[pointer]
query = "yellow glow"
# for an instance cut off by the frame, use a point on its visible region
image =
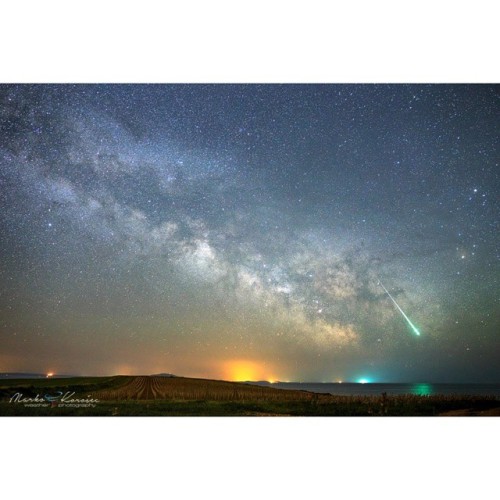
(50, 374)
(242, 370)
(124, 370)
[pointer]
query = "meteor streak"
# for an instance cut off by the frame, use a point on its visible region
(414, 328)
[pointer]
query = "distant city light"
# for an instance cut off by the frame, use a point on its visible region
(50, 374)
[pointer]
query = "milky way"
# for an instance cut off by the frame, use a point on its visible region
(199, 229)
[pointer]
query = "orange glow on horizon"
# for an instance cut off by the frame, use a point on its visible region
(50, 374)
(244, 370)
(125, 370)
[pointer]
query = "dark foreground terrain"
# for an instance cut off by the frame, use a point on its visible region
(177, 396)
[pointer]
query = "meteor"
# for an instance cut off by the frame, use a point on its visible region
(414, 328)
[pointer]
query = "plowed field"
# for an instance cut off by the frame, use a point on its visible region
(151, 388)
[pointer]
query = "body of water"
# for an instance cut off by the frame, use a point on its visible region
(421, 389)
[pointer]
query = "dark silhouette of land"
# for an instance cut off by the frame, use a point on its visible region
(164, 395)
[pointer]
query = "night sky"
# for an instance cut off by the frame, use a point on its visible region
(241, 231)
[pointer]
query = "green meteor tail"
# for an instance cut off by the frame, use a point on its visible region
(413, 327)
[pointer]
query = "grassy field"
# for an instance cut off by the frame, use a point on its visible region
(162, 396)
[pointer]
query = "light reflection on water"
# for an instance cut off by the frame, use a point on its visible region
(375, 389)
(421, 389)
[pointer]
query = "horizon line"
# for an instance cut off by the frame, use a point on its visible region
(271, 382)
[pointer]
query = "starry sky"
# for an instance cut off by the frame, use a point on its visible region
(240, 232)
